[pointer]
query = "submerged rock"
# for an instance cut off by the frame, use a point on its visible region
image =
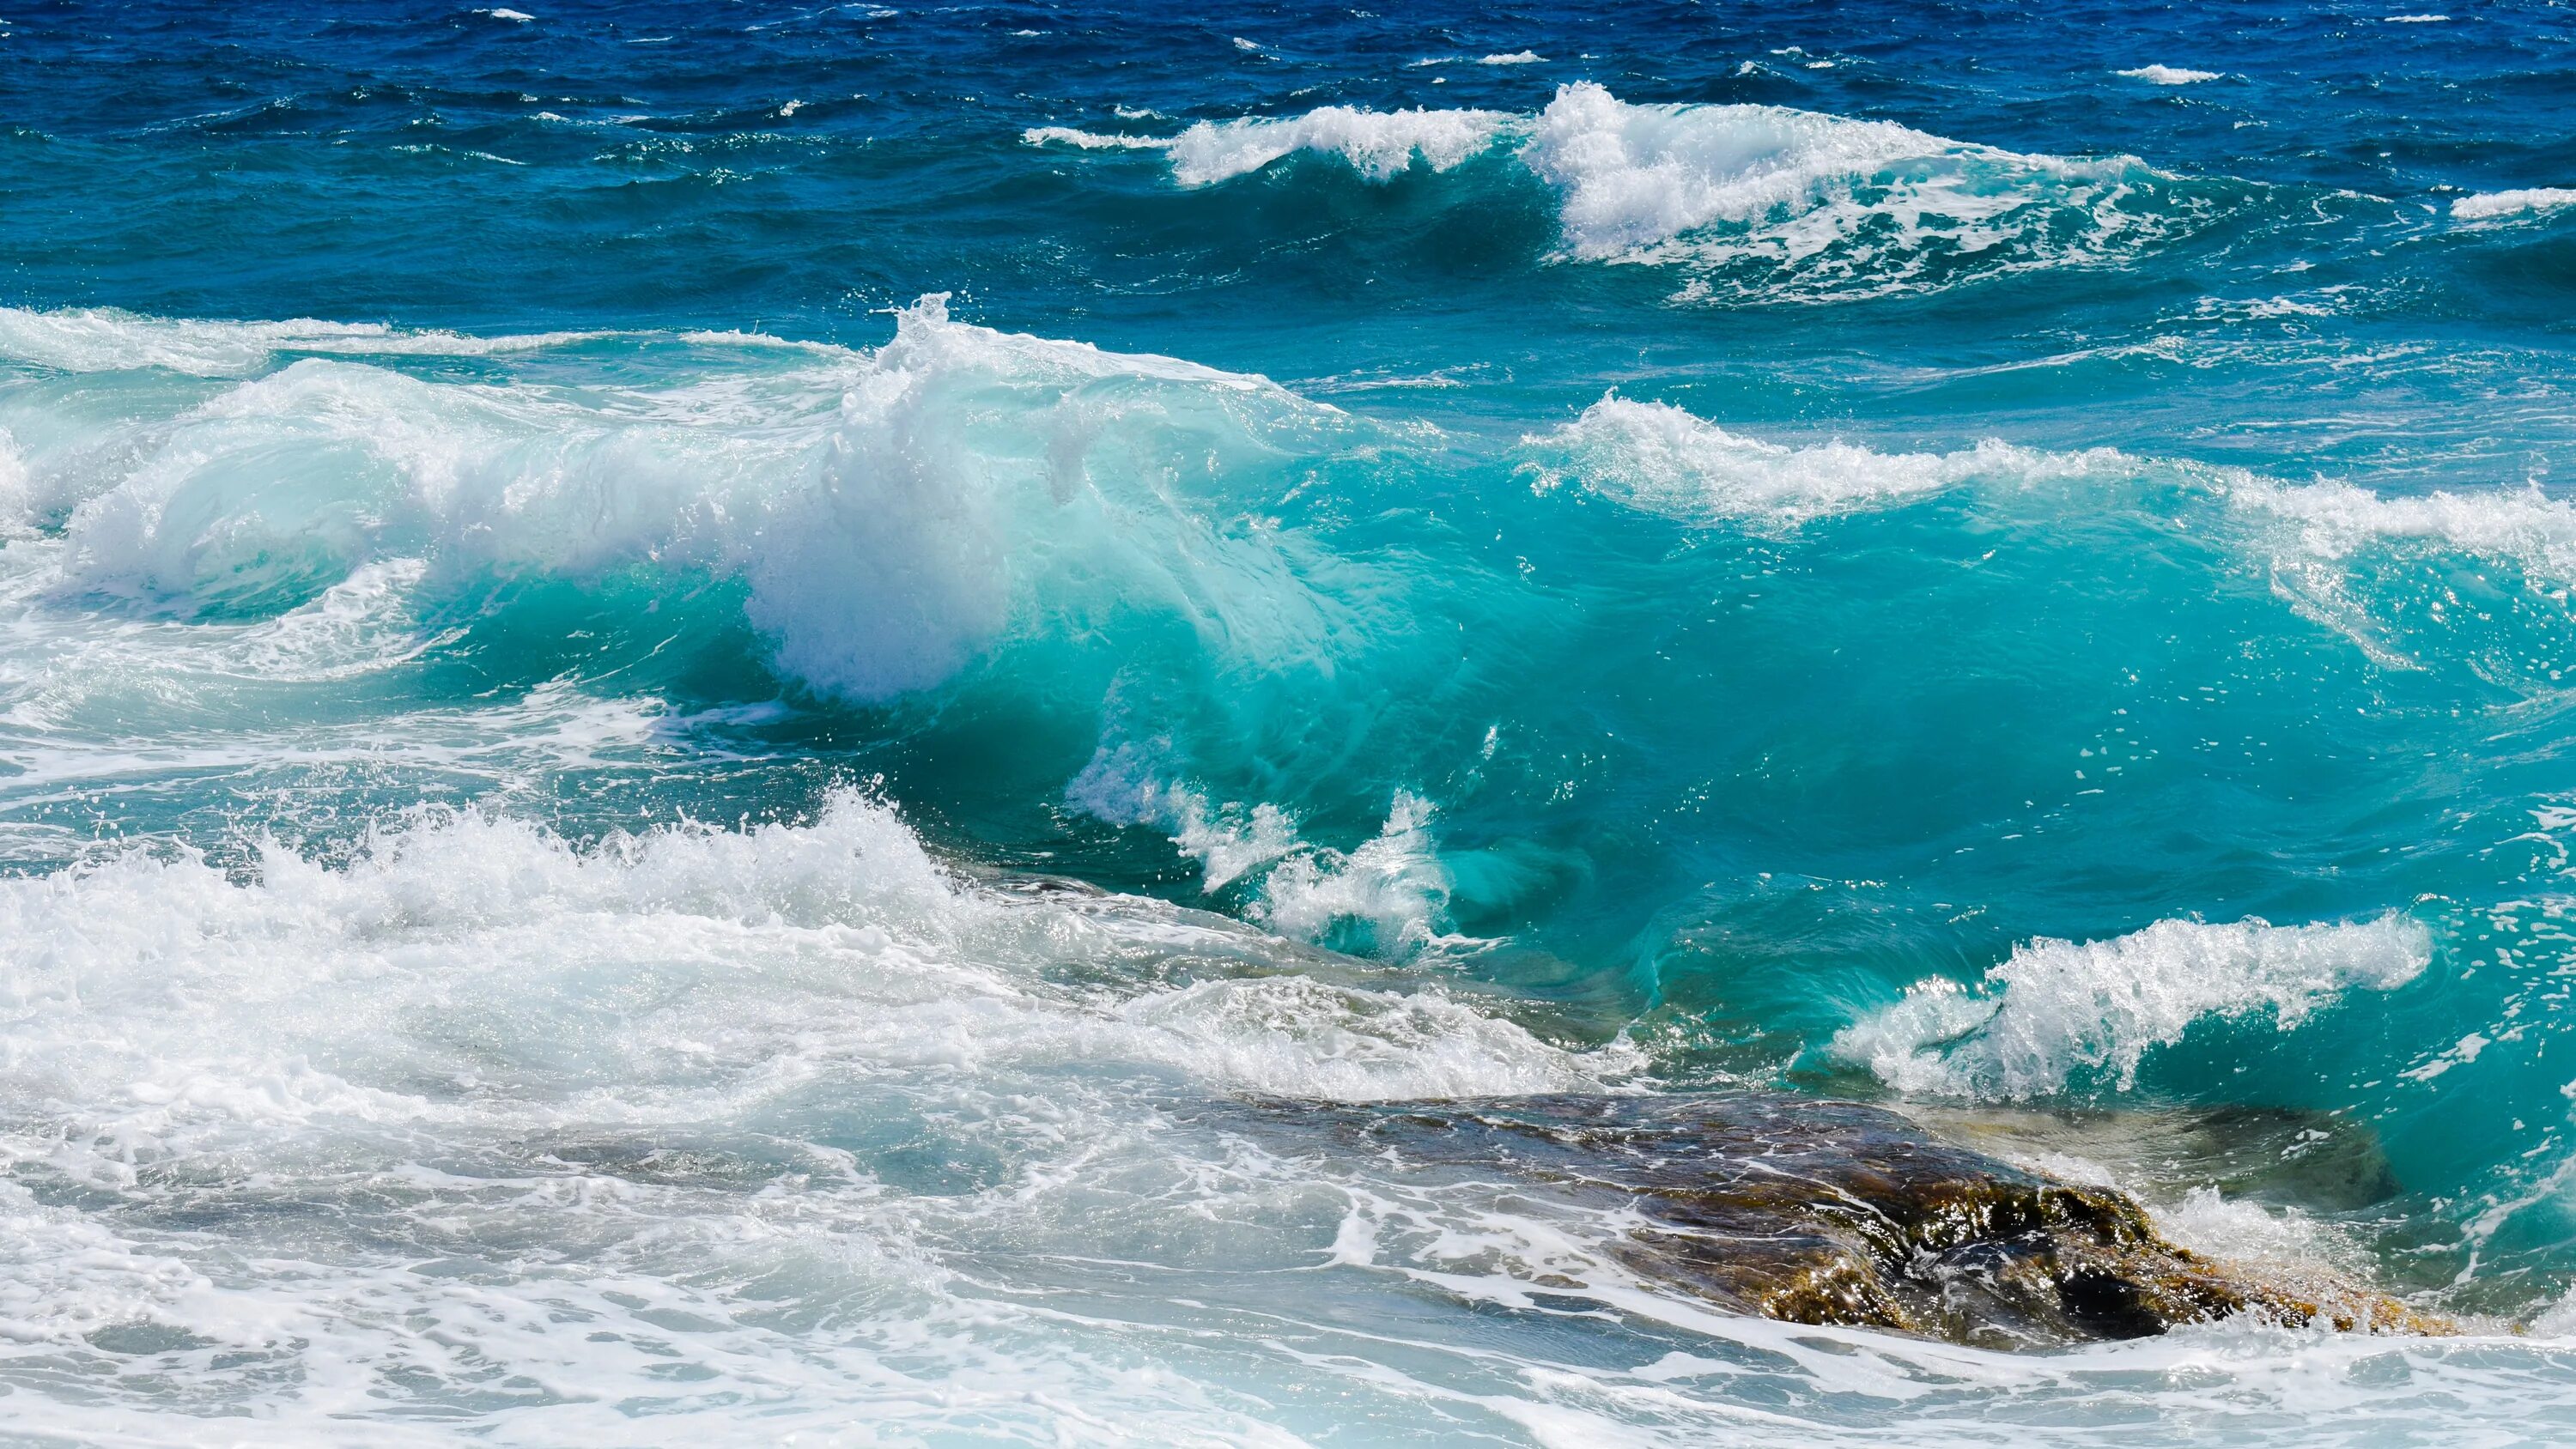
(1834, 1212)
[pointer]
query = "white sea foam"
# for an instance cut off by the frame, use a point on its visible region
(104, 339)
(173, 999)
(2487, 205)
(1091, 140)
(1794, 204)
(2058, 1009)
(1634, 175)
(2168, 75)
(475, 1033)
(1517, 57)
(1120, 787)
(1377, 144)
(1817, 205)
(18, 503)
(1658, 458)
(1394, 883)
(2333, 521)
(892, 512)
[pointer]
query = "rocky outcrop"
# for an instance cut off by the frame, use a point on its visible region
(1835, 1212)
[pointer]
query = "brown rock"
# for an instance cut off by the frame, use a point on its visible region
(1834, 1212)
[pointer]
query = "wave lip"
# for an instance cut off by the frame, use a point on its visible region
(2168, 75)
(1768, 203)
(2488, 205)
(1755, 202)
(890, 514)
(2057, 1009)
(108, 339)
(1392, 886)
(1377, 144)
(1091, 140)
(1658, 459)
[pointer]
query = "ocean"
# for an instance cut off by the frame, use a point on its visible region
(701, 706)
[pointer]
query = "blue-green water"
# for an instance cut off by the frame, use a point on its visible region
(565, 572)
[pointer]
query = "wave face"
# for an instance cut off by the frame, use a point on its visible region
(716, 724)
(2056, 1008)
(1749, 202)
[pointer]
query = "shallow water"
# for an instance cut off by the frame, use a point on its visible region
(680, 690)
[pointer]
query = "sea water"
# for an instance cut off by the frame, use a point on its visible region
(679, 683)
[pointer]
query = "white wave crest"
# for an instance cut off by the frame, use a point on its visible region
(105, 339)
(1756, 200)
(1393, 884)
(1657, 458)
(892, 513)
(1119, 786)
(2169, 75)
(18, 502)
(1091, 140)
(2487, 205)
(159, 999)
(1377, 144)
(2311, 535)
(2059, 1008)
(1786, 204)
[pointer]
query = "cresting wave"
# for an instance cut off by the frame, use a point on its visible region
(891, 512)
(475, 1010)
(1751, 202)
(896, 515)
(2491, 205)
(105, 339)
(471, 1028)
(1656, 457)
(1662, 460)
(178, 1002)
(1392, 887)
(2058, 1010)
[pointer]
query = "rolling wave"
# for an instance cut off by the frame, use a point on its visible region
(1747, 202)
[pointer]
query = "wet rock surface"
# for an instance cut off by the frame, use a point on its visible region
(1840, 1213)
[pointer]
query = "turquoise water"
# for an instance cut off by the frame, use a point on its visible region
(678, 686)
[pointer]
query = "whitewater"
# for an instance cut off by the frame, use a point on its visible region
(818, 725)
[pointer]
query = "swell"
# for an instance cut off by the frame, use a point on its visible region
(1744, 202)
(1182, 631)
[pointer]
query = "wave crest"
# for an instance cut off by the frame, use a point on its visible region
(1754, 202)
(2058, 1009)
(892, 514)
(1656, 458)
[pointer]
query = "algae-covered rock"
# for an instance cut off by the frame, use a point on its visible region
(1834, 1212)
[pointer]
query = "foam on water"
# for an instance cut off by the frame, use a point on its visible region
(2060, 1011)
(1377, 144)
(1656, 457)
(1756, 202)
(892, 513)
(623, 1129)
(105, 339)
(1393, 884)
(464, 1015)
(2487, 205)
(2169, 75)
(478, 1029)
(385, 1056)
(1090, 140)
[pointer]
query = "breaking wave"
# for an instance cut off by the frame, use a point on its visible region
(1750, 202)
(2058, 1011)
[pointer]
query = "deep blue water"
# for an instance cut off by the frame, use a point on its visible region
(564, 570)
